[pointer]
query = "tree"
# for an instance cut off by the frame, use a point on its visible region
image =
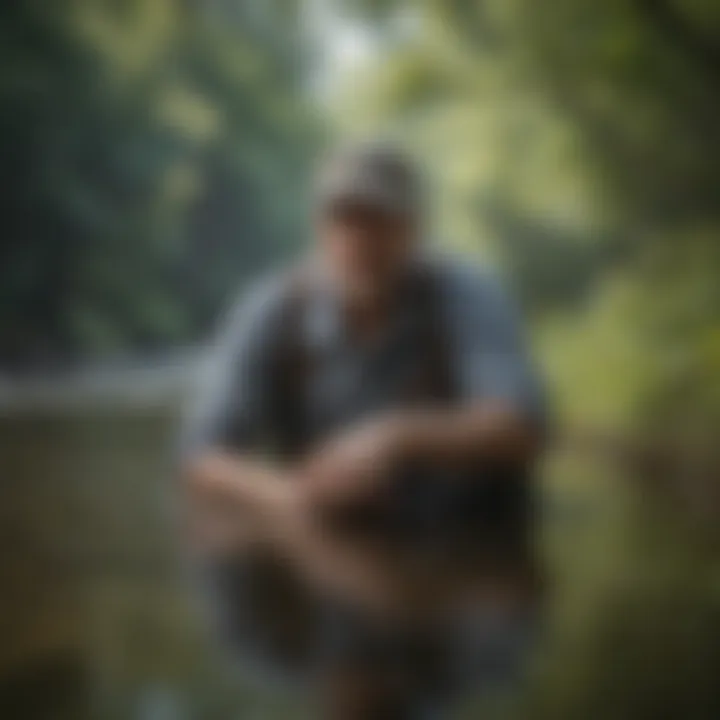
(155, 155)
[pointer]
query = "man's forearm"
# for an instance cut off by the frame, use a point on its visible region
(233, 479)
(483, 431)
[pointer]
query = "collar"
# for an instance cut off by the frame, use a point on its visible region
(324, 324)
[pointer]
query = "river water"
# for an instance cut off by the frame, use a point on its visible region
(96, 619)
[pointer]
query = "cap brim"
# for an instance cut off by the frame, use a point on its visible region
(371, 198)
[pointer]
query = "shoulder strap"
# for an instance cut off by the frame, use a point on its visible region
(289, 368)
(437, 381)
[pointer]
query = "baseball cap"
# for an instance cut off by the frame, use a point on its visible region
(374, 174)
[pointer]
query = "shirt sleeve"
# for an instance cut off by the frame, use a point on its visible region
(491, 356)
(227, 408)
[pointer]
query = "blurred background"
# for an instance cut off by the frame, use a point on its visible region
(156, 157)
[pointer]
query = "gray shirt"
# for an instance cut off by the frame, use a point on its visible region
(486, 350)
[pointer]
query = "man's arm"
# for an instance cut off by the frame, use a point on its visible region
(502, 413)
(225, 474)
(226, 411)
(481, 430)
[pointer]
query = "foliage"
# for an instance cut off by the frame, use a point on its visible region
(152, 154)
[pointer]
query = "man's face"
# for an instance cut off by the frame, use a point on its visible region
(365, 248)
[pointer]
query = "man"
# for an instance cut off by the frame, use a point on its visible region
(374, 385)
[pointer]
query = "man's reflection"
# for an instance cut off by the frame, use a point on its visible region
(385, 624)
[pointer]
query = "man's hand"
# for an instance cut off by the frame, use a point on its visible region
(355, 464)
(231, 498)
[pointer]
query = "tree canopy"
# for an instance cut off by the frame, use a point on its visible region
(154, 156)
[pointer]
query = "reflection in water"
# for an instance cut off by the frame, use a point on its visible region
(375, 625)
